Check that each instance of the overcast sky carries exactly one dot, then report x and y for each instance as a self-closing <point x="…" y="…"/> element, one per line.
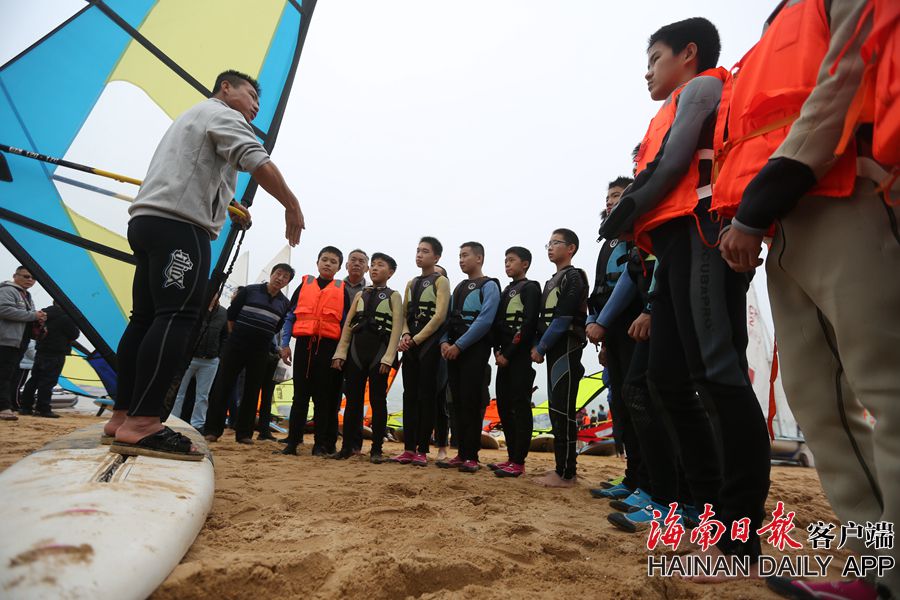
<point x="491" y="120"/>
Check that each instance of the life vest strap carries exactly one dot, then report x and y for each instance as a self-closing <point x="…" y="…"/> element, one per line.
<point x="729" y="145"/>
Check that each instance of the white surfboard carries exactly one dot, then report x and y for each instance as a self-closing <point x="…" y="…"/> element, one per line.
<point x="82" y="522"/>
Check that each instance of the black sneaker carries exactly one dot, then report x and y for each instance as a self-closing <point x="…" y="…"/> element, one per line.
<point x="377" y="458"/>
<point x="290" y="450"/>
<point x="319" y="451"/>
<point x="266" y="436"/>
<point x="26" y="411"/>
<point x="47" y="414"/>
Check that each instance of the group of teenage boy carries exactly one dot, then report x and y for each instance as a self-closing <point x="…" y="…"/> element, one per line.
<point x="348" y="345"/>
<point x="789" y="144"/>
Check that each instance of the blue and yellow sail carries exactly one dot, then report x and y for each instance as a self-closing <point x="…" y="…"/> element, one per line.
<point x="169" y="52"/>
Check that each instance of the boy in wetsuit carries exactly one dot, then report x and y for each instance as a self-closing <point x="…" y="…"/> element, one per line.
<point x="467" y="348"/>
<point x="317" y="312"/>
<point x="514" y="330"/>
<point x="366" y="353"/>
<point x="425" y="303"/>
<point x="561" y="340"/>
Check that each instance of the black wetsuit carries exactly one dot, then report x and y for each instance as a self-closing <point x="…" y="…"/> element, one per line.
<point x="514" y="331"/>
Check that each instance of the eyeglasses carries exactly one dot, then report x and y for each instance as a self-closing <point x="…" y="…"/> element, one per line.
<point x="552" y="243"/>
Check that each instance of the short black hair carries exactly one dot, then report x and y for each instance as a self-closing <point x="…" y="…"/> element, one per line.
<point x="436" y="246"/>
<point x="443" y="270"/>
<point x="476" y="247"/>
<point x="382" y="256"/>
<point x="621" y="181"/>
<point x="522" y="253"/>
<point x="23" y="268"/>
<point x="331" y="250"/>
<point x="283" y="267"/>
<point x="235" y="78"/>
<point x="696" y="29"/>
<point x="568" y="236"/>
<point x="358" y="250"/>
<point x="634" y="152"/>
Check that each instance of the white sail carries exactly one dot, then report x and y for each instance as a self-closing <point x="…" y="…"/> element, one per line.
<point x="760" y="352"/>
<point x="283" y="256"/>
<point x="237" y="278"/>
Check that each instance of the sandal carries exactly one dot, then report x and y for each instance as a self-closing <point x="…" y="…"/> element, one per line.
<point x="106" y="440"/>
<point x="165" y="443"/>
<point x="8" y="415"/>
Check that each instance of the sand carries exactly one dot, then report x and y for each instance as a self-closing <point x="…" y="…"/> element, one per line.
<point x="306" y="527"/>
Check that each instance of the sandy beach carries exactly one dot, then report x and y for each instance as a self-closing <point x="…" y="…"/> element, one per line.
<point x="305" y="527"/>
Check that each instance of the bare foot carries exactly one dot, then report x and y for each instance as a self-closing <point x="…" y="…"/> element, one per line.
<point x="134" y="429"/>
<point x="442" y="453"/>
<point x="115" y="421"/>
<point x="713" y="552"/>
<point x="552" y="479"/>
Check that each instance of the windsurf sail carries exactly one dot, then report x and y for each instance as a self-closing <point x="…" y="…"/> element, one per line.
<point x="100" y="90"/>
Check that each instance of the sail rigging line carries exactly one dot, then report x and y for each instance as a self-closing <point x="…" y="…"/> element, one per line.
<point x="92" y="188"/>
<point x="162" y="56"/>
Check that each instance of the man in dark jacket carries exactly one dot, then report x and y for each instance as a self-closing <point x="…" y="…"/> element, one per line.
<point x="204" y="364"/>
<point x="50" y="356"/>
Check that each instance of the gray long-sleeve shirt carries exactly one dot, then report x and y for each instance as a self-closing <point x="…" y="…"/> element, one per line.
<point x="193" y="173"/>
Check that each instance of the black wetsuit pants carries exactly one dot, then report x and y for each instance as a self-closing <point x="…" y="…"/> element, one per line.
<point x="564" y="373"/>
<point x="442" y="407"/>
<point x="314" y="378"/>
<point x="236" y="358"/>
<point x="514" y="383"/>
<point x="44" y="376"/>
<point x="698" y="346"/>
<point x="467" y="387"/>
<point x="619" y="352"/>
<point x="168" y="296"/>
<point x="363" y="365"/>
<point x="420" y="367"/>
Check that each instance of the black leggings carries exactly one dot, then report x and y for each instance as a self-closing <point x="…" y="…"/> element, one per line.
<point x="314" y="378"/>
<point x="420" y="366"/>
<point x="442" y="407"/>
<point x="364" y="366"/>
<point x="44" y="376"/>
<point x="467" y="387"/>
<point x="698" y="346"/>
<point x="564" y="373"/>
<point x="167" y="299"/>
<point x="514" y="383"/>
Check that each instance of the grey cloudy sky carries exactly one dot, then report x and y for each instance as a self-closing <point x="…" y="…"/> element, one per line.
<point x="488" y="120"/>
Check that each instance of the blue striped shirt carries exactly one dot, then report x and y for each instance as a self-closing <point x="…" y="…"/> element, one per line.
<point x="257" y="315"/>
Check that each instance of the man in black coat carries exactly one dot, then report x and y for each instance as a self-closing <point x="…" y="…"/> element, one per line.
<point x="49" y="359"/>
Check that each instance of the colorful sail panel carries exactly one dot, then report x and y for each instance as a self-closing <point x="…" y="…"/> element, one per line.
<point x="100" y="90"/>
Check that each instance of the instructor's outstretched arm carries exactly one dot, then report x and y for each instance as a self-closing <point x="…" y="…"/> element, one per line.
<point x="271" y="180"/>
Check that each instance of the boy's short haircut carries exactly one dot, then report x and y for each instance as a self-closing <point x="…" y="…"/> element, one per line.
<point x="568" y="236"/>
<point x="522" y="253"/>
<point x="621" y="181"/>
<point x="382" y="256"/>
<point x="283" y="267"/>
<point x="235" y="78"/>
<point x="475" y="247"/>
<point x="436" y="246"/>
<point x="358" y="251"/>
<point x="696" y="29"/>
<point x="331" y="250"/>
<point x="441" y="269"/>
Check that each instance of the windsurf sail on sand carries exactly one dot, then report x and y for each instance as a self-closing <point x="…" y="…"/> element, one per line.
<point x="100" y="90"/>
<point x="590" y="387"/>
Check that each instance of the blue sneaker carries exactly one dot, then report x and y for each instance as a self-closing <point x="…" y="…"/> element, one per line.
<point x="633" y="503"/>
<point x="640" y="520"/>
<point x="616" y="492"/>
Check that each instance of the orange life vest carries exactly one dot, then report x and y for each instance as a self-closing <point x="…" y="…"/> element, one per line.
<point x="682" y="200"/>
<point x="319" y="310"/>
<point x="763" y="99"/>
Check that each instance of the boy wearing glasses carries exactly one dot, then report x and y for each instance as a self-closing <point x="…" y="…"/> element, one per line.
<point x="561" y="340"/>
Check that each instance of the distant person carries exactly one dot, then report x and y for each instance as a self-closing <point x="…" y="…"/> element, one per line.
<point x="515" y="327"/>
<point x="18" y="318"/>
<point x="560" y="340"/>
<point x="254" y="316"/>
<point x="366" y="354"/>
<point x="466" y="346"/>
<point x="316" y="313"/>
<point x="425" y="303"/>
<point x="179" y="209"/>
<point x="204" y="364"/>
<point x="49" y="359"/>
<point x="443" y="403"/>
<point x="357" y="266"/>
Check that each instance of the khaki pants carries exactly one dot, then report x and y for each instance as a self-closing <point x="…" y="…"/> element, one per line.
<point x="834" y="283"/>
